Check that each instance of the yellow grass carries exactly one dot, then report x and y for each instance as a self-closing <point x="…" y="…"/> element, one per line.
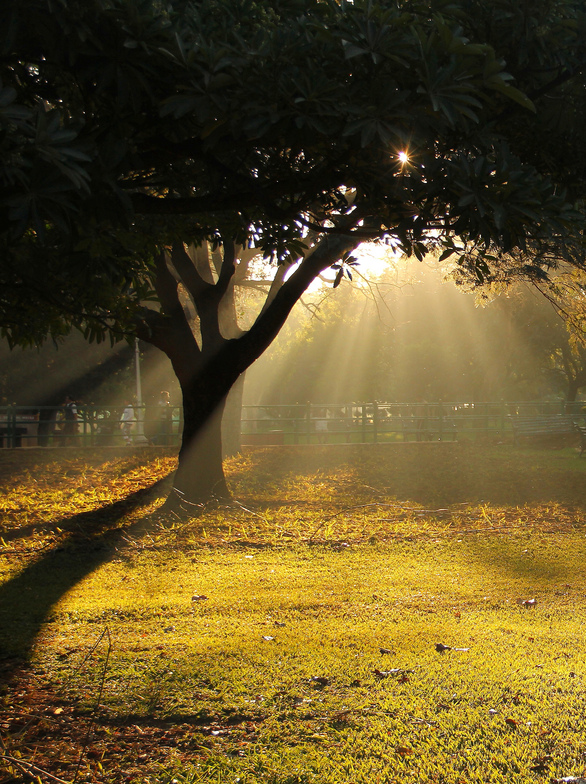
<point x="291" y="637"/>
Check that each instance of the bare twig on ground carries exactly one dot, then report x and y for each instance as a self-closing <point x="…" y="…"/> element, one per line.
<point x="33" y="771"/>
<point x="105" y="633"/>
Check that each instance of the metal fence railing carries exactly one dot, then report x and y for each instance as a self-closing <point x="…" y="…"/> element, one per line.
<point x="378" y="422"/>
<point x="374" y="422"/>
<point x="89" y="425"/>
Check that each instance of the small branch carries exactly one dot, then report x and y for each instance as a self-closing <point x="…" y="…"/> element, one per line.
<point x="312" y="308"/>
<point x="342" y="511"/>
<point x="31" y="770"/>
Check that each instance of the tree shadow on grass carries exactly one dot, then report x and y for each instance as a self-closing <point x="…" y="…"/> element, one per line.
<point x="509" y="560"/>
<point x="84" y="524"/>
<point x="26" y="600"/>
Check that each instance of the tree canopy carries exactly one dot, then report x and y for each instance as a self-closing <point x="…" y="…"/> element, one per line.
<point x="126" y="123"/>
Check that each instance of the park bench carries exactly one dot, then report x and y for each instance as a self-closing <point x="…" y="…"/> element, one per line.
<point x="542" y="427"/>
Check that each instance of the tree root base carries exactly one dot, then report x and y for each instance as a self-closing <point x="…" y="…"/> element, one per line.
<point x="178" y="508"/>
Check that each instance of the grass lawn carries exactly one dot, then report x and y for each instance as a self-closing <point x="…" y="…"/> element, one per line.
<point x="360" y="614"/>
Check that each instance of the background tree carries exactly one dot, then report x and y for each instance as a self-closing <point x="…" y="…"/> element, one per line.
<point x="566" y="295"/>
<point x="133" y="130"/>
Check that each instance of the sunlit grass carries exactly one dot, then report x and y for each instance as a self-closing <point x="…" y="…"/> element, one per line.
<point x="291" y="637"/>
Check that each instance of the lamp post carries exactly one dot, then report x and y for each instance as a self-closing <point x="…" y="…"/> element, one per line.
<point x="140" y="436"/>
<point x="137" y="374"/>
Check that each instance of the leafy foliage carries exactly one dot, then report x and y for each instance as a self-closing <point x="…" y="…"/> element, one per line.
<point x="228" y="118"/>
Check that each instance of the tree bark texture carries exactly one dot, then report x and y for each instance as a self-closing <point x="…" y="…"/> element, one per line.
<point x="200" y="478"/>
<point x="200" y="475"/>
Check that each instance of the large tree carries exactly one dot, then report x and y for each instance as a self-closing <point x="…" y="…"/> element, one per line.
<point x="145" y="144"/>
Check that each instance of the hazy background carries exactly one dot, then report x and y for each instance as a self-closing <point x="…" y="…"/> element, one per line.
<point x="395" y="333"/>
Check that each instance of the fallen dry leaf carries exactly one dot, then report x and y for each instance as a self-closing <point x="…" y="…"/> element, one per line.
<point x="527" y="602"/>
<point x="569" y="780"/>
<point x="319" y="680"/>
<point x="396" y="671"/>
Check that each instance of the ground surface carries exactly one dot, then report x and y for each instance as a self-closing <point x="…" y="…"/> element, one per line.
<point x="293" y="637"/>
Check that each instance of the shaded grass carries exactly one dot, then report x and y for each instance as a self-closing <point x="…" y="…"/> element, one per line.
<point x="330" y="557"/>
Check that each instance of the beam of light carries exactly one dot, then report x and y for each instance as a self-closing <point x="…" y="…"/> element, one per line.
<point x="469" y="348"/>
<point x="403" y="156"/>
<point x="435" y="343"/>
<point x="336" y="355"/>
<point x="42" y="377"/>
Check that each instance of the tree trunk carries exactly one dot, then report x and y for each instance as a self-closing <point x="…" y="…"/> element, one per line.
<point x="199" y="478"/>
<point x="573" y="389"/>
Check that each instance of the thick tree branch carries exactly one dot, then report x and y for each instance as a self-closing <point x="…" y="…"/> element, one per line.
<point x="170" y="330"/>
<point x="207" y="298"/>
<point x="276" y="284"/>
<point x="186" y="268"/>
<point x="269" y="322"/>
<point x="166" y="286"/>
<point x="150" y="325"/>
<point x="227" y="269"/>
<point x="174" y="337"/>
<point x="363" y="234"/>
<point x="233" y="197"/>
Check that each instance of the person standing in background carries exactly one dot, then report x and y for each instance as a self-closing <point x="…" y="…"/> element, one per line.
<point x="127" y="421"/>
<point x="69" y="429"/>
<point x="164" y="417"/>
